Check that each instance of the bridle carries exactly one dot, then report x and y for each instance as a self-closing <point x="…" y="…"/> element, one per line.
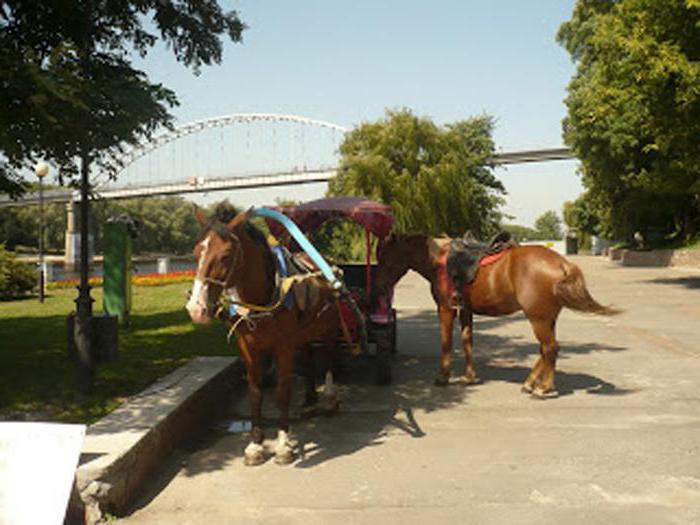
<point x="238" y="260"/>
<point x="228" y="296"/>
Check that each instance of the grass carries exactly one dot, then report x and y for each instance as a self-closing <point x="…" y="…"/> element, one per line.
<point x="36" y="375"/>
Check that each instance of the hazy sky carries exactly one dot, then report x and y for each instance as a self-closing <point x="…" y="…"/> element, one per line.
<point x="346" y="62"/>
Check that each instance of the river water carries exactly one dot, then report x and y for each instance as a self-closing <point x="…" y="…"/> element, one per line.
<point x="140" y="267"/>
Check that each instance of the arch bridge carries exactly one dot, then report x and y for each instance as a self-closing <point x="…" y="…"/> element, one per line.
<point x="243" y="150"/>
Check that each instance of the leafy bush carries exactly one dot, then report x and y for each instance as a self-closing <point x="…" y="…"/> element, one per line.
<point x="16" y="278"/>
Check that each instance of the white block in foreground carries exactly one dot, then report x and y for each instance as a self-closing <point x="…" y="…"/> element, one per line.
<point x="37" y="468"/>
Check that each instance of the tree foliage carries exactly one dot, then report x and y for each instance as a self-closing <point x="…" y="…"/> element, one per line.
<point x="69" y="90"/>
<point x="16" y="278"/>
<point x="580" y="215"/>
<point x="437" y="179"/>
<point x="634" y="112"/>
<point x="166" y="224"/>
<point x="548" y="225"/>
<point x="521" y="233"/>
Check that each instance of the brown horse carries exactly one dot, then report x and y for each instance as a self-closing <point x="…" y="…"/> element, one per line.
<point x="234" y="260"/>
<point x="533" y="279"/>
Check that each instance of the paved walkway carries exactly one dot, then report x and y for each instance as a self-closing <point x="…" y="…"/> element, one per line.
<point x="621" y="444"/>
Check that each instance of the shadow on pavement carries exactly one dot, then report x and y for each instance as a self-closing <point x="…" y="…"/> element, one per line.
<point x="688" y="282"/>
<point x="370" y="413"/>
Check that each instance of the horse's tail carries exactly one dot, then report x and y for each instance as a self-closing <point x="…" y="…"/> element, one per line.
<point x="572" y="292"/>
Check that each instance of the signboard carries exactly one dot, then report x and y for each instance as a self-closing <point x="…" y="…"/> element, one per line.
<point x="37" y="469"/>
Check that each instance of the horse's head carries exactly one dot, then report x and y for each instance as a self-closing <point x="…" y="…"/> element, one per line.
<point x="219" y="253"/>
<point x="395" y="256"/>
<point x="399" y="253"/>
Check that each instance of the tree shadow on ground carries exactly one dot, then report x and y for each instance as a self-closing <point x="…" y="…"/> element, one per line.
<point x="691" y="282"/>
<point x="37" y="374"/>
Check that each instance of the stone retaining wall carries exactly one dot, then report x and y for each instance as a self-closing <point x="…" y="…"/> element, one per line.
<point x="688" y="258"/>
<point x="122" y="450"/>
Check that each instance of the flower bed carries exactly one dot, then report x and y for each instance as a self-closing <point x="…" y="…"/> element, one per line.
<point x="146" y="279"/>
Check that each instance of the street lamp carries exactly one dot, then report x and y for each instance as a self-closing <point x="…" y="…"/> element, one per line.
<point x="41" y="170"/>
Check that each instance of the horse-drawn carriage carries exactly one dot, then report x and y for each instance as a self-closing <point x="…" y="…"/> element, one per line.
<point x="374" y="313"/>
<point x="238" y="279"/>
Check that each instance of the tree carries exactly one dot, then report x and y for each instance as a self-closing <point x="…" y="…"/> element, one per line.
<point x="437" y="179"/>
<point x="548" y="225"/>
<point x="69" y="91"/>
<point x="16" y="278"/>
<point x="521" y="233"/>
<point x="20" y="226"/>
<point x="634" y="112"/>
<point x="581" y="216"/>
<point x="166" y="225"/>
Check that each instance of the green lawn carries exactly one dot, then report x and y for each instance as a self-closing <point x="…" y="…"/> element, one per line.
<point x="36" y="376"/>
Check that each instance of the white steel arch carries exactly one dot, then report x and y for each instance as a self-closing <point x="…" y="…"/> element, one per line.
<point x="217" y="122"/>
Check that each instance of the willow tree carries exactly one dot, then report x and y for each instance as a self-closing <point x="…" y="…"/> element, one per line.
<point x="438" y="179"/>
<point x="634" y="112"/>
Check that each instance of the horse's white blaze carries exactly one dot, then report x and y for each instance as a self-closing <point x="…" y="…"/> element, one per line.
<point x="197" y="297"/>
<point x="196" y="305"/>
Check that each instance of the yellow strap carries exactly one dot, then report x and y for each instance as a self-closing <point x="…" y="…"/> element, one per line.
<point x="285" y="287"/>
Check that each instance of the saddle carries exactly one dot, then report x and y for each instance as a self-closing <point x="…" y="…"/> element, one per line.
<point x="466" y="255"/>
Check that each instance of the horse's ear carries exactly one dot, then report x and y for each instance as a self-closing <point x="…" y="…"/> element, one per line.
<point x="240" y="218"/>
<point x="199" y="215"/>
<point x="434" y="248"/>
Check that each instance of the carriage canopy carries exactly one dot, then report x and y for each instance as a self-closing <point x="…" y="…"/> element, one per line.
<point x="376" y="217"/>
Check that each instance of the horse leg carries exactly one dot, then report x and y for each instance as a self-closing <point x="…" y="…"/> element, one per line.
<point x="532" y="379"/>
<point x="284" y="448"/>
<point x="309" y="365"/>
<point x="549" y="349"/>
<point x="467" y="321"/>
<point x="254" y="452"/>
<point x="446" y="316"/>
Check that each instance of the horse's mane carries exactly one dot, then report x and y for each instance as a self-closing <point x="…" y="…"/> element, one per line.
<point x="218" y="225"/>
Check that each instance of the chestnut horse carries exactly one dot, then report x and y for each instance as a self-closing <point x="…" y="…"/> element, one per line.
<point x="534" y="279"/>
<point x="235" y="260"/>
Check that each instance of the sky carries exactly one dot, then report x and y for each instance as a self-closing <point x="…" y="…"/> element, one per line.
<point x="347" y="62"/>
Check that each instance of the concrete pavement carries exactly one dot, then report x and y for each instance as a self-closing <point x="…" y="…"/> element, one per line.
<point x="620" y="445"/>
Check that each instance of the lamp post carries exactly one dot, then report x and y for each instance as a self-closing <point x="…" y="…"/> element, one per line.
<point x="41" y="170"/>
<point x="85" y="368"/>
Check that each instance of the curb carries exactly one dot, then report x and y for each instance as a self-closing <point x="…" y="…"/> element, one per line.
<point x="123" y="449"/>
<point x="656" y="258"/>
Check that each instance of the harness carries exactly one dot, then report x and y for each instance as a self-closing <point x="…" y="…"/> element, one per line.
<point x="238" y="311"/>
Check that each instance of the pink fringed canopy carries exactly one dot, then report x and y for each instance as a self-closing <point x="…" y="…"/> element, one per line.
<point x="374" y="216"/>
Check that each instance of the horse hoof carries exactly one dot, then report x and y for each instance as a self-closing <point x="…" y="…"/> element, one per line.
<point x="527" y="389"/>
<point x="285" y="457"/>
<point x="441" y="381"/>
<point x="466" y="380"/>
<point x="540" y="393"/>
<point x="284" y="450"/>
<point x="254" y="455"/>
